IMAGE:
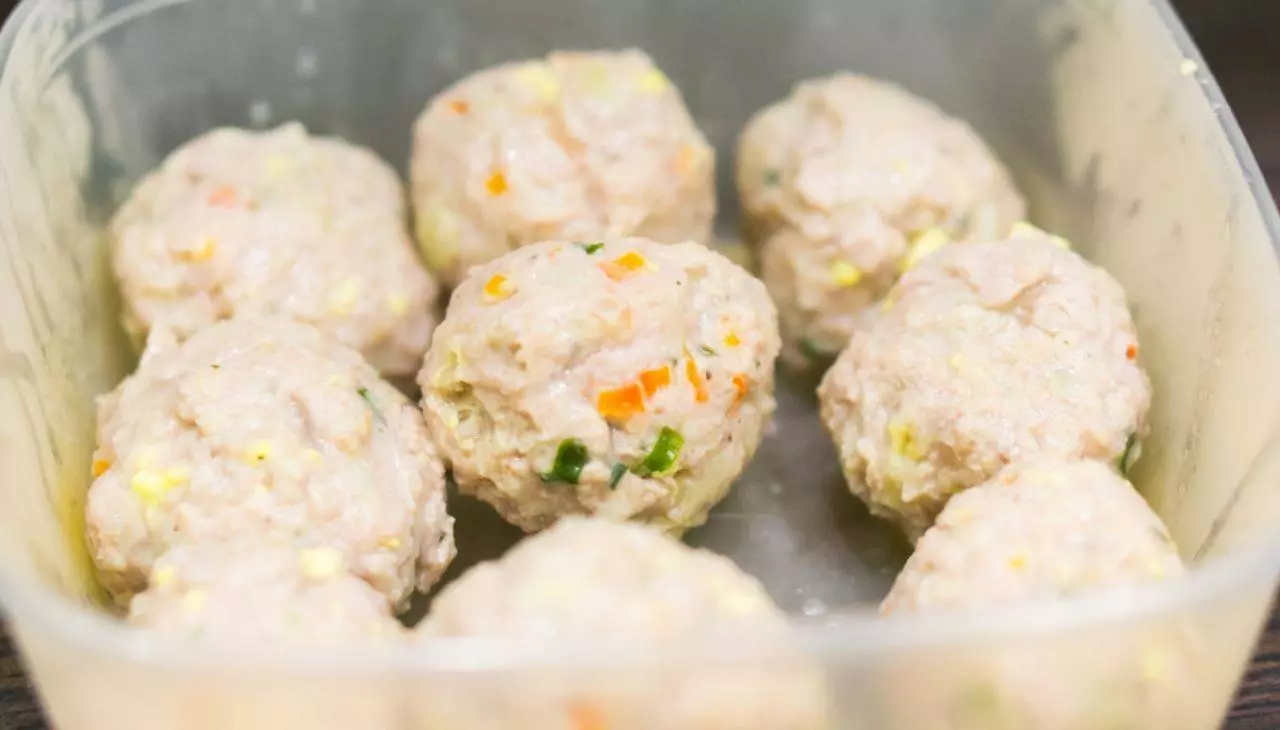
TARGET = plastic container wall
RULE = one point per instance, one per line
(1103, 111)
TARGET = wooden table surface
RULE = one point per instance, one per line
(1239, 39)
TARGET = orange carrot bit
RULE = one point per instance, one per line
(100, 467)
(740, 382)
(496, 184)
(622, 403)
(223, 197)
(1132, 352)
(695, 379)
(586, 717)
(623, 266)
(459, 106)
(656, 379)
(497, 288)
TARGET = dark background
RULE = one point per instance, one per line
(1241, 41)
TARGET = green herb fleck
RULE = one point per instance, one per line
(662, 458)
(813, 350)
(615, 476)
(590, 248)
(571, 456)
(368, 398)
(706, 351)
(1130, 455)
(772, 177)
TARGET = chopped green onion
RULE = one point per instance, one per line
(590, 248)
(615, 476)
(706, 351)
(571, 456)
(662, 458)
(813, 350)
(772, 177)
(368, 398)
(1130, 455)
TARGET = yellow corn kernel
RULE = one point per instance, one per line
(201, 252)
(922, 245)
(1023, 228)
(390, 543)
(398, 304)
(956, 362)
(151, 485)
(624, 266)
(162, 576)
(1018, 561)
(343, 298)
(541, 81)
(496, 184)
(498, 287)
(278, 167)
(259, 451)
(902, 440)
(318, 563)
(436, 228)
(731, 339)
(844, 273)
(654, 81)
(193, 601)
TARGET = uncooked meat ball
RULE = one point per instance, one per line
(252, 590)
(983, 355)
(624, 378)
(576, 146)
(240, 223)
(588, 580)
(265, 426)
(1038, 531)
(846, 184)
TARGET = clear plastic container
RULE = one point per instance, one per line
(1110, 123)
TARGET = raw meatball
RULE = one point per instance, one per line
(984, 354)
(577, 146)
(847, 183)
(239, 223)
(1040, 530)
(252, 590)
(628, 379)
(265, 426)
(590, 579)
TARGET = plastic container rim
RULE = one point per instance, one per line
(38, 607)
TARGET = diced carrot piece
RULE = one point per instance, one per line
(496, 184)
(695, 379)
(622, 403)
(1132, 352)
(459, 106)
(623, 266)
(656, 379)
(100, 467)
(740, 382)
(586, 717)
(223, 197)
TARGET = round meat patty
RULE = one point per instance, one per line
(627, 378)
(847, 183)
(576, 146)
(983, 355)
(1040, 530)
(588, 580)
(240, 223)
(254, 590)
(265, 426)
